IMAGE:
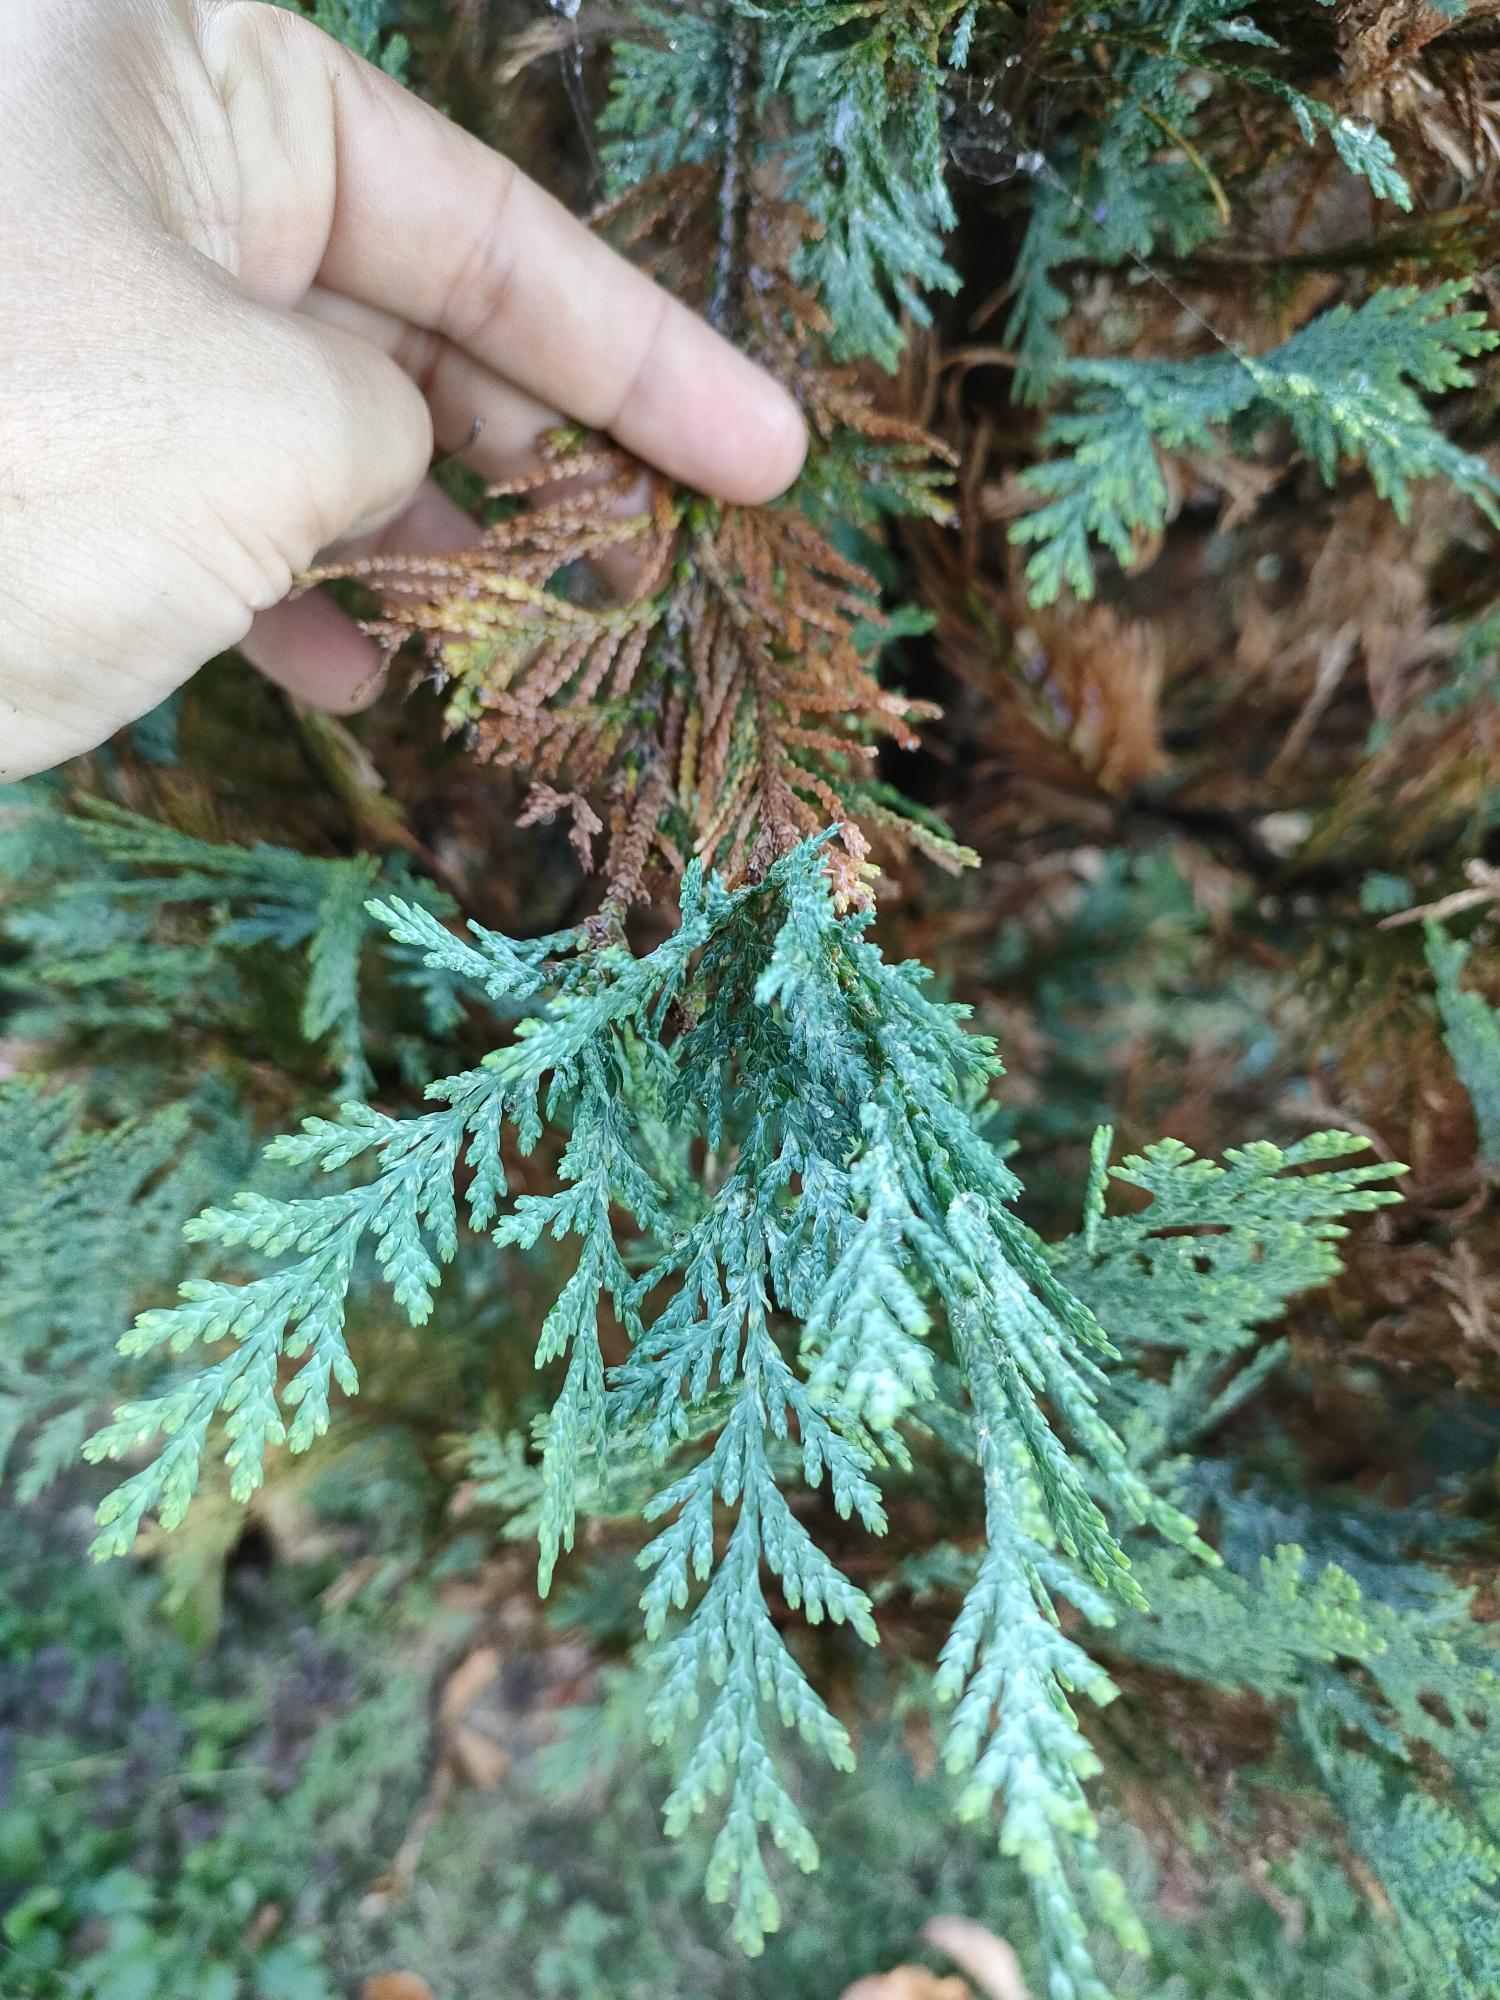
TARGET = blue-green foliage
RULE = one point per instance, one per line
(124, 923)
(1346, 387)
(129, 939)
(1118, 193)
(1471, 1028)
(1190, 1279)
(862, 154)
(846, 1278)
(1437, 1864)
(669, 92)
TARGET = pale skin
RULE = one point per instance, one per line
(249, 287)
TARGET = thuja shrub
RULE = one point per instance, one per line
(794, 1305)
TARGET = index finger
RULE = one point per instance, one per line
(424, 221)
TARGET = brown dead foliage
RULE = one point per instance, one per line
(722, 710)
(726, 705)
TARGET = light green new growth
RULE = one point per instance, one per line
(1215, 1257)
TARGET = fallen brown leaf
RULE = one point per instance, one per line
(988, 1960)
(479, 1762)
(473, 1751)
(910, 1982)
(472, 1674)
(396, 1986)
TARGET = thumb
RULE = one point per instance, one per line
(255, 439)
(364, 446)
(336, 438)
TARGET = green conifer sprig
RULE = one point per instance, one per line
(837, 1096)
(1118, 202)
(1221, 1249)
(1346, 386)
(1376, 1658)
(866, 158)
(1260, 1230)
(1136, 179)
(854, 1255)
(862, 152)
(298, 1312)
(124, 921)
(1014, 1675)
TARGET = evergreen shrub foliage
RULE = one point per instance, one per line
(815, 1342)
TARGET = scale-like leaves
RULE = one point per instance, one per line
(850, 1274)
(1346, 386)
(1221, 1249)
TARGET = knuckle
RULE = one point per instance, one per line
(255, 20)
(226, 27)
(479, 288)
(421, 354)
(638, 380)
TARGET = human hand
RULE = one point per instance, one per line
(247, 283)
